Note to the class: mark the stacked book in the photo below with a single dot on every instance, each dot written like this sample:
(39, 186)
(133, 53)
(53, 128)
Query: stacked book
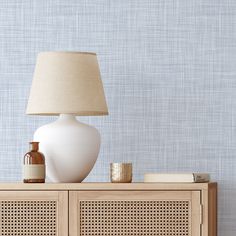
(177, 178)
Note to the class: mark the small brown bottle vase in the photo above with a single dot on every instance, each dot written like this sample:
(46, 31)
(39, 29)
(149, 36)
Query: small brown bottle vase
(34, 165)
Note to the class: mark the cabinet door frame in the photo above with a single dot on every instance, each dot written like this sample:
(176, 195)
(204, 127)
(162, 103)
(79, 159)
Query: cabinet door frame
(76, 196)
(61, 197)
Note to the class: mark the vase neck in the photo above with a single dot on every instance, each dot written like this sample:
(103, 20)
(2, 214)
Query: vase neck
(67, 117)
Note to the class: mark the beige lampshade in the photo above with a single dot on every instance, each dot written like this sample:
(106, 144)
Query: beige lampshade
(68, 83)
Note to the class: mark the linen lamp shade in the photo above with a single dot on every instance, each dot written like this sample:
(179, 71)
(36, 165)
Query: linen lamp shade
(67, 83)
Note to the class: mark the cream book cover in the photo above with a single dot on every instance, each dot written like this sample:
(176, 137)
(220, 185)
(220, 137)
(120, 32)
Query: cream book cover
(175, 177)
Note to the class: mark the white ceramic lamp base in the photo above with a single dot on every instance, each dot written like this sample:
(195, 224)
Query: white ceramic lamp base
(70, 147)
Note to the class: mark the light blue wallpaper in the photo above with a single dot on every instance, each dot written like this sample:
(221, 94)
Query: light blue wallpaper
(169, 73)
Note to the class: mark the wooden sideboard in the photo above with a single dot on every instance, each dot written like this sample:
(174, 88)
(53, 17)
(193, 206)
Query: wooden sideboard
(107, 209)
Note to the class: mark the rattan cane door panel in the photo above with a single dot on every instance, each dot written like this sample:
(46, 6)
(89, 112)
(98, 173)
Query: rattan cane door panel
(33, 213)
(135, 213)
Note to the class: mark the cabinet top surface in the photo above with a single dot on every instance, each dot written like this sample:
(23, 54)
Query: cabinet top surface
(106, 186)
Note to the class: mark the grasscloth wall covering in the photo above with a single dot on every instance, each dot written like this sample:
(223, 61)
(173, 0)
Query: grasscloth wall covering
(169, 73)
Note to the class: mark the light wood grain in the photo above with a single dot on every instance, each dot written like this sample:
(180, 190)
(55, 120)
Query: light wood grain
(73, 213)
(212, 209)
(195, 213)
(21, 203)
(209, 202)
(28, 195)
(105, 186)
(131, 195)
(205, 226)
(68, 197)
(63, 215)
(136, 197)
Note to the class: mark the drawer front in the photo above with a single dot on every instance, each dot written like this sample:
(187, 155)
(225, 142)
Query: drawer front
(33, 213)
(133, 213)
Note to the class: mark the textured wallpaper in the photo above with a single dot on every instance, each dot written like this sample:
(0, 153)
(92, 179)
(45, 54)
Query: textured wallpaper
(169, 73)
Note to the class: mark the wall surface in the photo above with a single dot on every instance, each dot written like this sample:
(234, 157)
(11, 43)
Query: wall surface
(169, 73)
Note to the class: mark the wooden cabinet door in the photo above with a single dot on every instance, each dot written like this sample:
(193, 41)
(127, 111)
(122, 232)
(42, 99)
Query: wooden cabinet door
(134, 213)
(33, 213)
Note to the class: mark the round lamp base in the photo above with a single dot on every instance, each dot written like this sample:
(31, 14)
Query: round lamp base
(70, 147)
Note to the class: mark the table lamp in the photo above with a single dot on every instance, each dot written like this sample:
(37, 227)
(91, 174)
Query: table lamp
(67, 84)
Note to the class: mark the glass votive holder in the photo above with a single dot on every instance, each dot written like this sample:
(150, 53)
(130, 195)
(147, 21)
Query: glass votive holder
(121, 172)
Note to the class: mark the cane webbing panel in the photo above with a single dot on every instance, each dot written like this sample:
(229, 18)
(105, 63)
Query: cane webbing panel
(28, 218)
(135, 218)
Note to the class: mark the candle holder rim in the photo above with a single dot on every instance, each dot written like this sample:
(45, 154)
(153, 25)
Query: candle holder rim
(121, 163)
